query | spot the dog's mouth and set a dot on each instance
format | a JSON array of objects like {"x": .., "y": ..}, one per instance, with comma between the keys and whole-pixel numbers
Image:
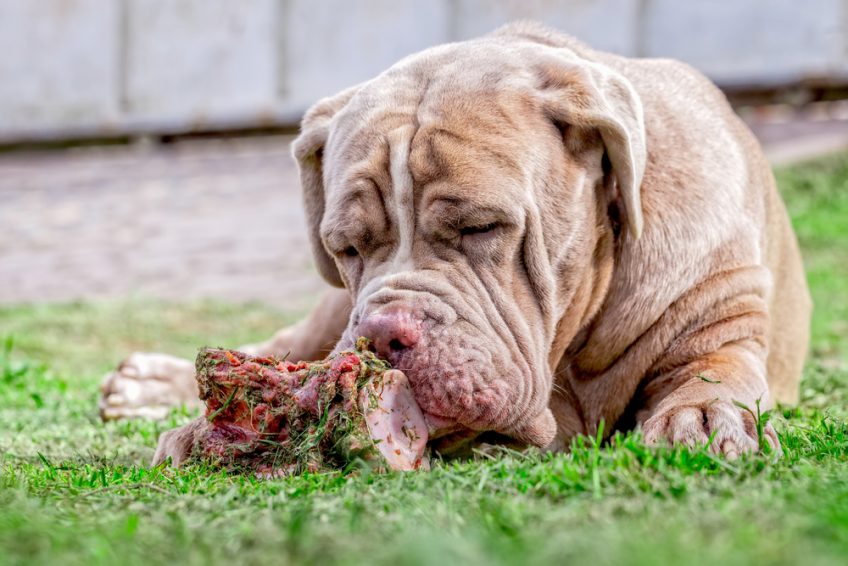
[
  {"x": 448, "y": 437},
  {"x": 453, "y": 440},
  {"x": 439, "y": 426},
  {"x": 449, "y": 432},
  {"x": 456, "y": 379}
]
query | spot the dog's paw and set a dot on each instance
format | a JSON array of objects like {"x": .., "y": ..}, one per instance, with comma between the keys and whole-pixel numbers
[
  {"x": 148, "y": 386},
  {"x": 733, "y": 429},
  {"x": 177, "y": 444}
]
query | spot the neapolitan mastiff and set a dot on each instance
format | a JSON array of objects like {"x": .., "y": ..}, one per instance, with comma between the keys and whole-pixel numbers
[{"x": 542, "y": 237}]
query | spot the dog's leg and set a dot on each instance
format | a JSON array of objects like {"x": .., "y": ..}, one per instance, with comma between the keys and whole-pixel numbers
[
  {"x": 177, "y": 443},
  {"x": 313, "y": 337},
  {"x": 712, "y": 399},
  {"x": 149, "y": 384}
]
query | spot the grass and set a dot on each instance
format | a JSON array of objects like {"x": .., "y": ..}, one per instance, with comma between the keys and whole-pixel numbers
[{"x": 73, "y": 490}]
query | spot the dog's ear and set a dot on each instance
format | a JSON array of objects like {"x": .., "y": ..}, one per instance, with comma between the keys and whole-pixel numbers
[
  {"x": 586, "y": 94},
  {"x": 308, "y": 150}
]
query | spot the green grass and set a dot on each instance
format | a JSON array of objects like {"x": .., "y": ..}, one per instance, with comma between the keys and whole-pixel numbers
[{"x": 73, "y": 490}]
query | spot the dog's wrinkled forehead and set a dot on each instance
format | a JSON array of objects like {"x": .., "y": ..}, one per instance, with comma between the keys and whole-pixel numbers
[{"x": 457, "y": 110}]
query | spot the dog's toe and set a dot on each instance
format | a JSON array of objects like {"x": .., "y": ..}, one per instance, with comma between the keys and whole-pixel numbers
[
  {"x": 686, "y": 427},
  {"x": 726, "y": 428},
  {"x": 147, "y": 386}
]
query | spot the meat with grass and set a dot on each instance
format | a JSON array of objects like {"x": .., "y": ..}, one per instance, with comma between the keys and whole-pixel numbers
[{"x": 276, "y": 417}]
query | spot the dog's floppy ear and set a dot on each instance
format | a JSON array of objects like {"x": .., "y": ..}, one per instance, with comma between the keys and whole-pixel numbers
[
  {"x": 587, "y": 94},
  {"x": 308, "y": 150}
]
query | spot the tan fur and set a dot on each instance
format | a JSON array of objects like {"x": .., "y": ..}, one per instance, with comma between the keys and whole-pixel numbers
[
  {"x": 631, "y": 324},
  {"x": 643, "y": 270}
]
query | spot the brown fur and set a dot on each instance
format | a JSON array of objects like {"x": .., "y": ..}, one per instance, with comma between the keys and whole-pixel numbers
[{"x": 643, "y": 270}]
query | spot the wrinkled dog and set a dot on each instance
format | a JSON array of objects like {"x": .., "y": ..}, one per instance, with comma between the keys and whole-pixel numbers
[{"x": 543, "y": 237}]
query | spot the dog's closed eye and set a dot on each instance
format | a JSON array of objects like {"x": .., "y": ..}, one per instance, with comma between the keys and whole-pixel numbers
[
  {"x": 480, "y": 238},
  {"x": 481, "y": 229}
]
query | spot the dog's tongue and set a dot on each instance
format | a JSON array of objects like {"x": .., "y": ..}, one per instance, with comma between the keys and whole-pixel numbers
[{"x": 395, "y": 422}]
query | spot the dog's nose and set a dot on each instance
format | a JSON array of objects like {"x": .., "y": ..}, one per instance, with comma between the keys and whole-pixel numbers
[{"x": 391, "y": 331}]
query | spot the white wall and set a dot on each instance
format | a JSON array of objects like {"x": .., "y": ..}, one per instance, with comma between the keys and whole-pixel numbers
[{"x": 99, "y": 67}]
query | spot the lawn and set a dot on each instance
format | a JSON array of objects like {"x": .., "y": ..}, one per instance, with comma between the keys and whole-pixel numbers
[{"x": 75, "y": 491}]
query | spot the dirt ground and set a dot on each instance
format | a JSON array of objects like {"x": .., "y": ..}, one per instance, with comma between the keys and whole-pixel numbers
[{"x": 196, "y": 219}]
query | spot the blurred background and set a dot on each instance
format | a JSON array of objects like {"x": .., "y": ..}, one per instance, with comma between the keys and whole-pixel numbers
[{"x": 144, "y": 143}]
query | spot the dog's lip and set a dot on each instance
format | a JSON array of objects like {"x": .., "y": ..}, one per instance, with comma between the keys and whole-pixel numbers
[{"x": 438, "y": 426}]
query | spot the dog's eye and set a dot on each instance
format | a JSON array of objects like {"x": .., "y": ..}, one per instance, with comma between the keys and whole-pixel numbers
[
  {"x": 350, "y": 251},
  {"x": 482, "y": 229}
]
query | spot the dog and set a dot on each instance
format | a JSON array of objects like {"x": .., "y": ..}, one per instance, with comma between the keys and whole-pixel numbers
[{"x": 547, "y": 240}]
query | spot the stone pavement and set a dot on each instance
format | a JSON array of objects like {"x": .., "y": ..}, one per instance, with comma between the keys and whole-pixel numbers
[
  {"x": 218, "y": 218},
  {"x": 213, "y": 218}
]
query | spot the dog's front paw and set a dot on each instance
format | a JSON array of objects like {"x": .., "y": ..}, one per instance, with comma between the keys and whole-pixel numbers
[
  {"x": 178, "y": 444},
  {"x": 733, "y": 429},
  {"x": 149, "y": 386}
]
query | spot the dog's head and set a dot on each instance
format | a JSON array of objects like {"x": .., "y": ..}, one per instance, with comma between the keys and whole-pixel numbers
[{"x": 462, "y": 198}]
